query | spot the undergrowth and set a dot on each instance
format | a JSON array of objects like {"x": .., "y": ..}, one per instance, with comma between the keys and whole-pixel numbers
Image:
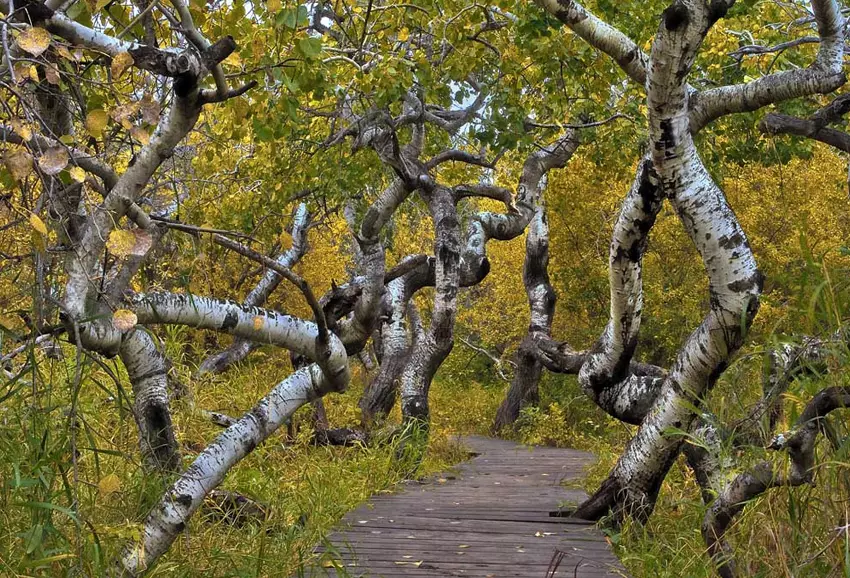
[{"x": 73, "y": 491}]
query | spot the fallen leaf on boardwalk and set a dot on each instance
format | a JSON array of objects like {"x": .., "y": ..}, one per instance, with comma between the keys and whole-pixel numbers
[
  {"x": 463, "y": 546},
  {"x": 34, "y": 40},
  {"x": 124, "y": 320},
  {"x": 538, "y": 534}
]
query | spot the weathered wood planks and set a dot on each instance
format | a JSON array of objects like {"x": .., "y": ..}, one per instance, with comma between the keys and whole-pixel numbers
[{"x": 488, "y": 519}]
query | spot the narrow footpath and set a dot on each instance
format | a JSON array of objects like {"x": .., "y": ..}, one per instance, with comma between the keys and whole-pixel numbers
[{"x": 488, "y": 518}]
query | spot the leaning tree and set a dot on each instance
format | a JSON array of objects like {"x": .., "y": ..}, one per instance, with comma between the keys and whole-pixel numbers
[
  {"x": 98, "y": 124},
  {"x": 661, "y": 400}
]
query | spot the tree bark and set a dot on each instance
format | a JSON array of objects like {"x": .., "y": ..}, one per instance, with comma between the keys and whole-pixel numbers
[
  {"x": 523, "y": 390},
  {"x": 258, "y": 296},
  {"x": 147, "y": 369},
  {"x": 428, "y": 353}
]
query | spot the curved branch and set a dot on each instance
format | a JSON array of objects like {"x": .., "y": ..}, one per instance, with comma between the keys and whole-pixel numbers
[
  {"x": 601, "y": 36},
  {"x": 254, "y": 323},
  {"x": 824, "y": 75},
  {"x": 261, "y": 292},
  {"x": 800, "y": 443}
]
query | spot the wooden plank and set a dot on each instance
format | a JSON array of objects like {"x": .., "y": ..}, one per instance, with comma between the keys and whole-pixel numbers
[
  {"x": 399, "y": 536},
  {"x": 489, "y": 517}
]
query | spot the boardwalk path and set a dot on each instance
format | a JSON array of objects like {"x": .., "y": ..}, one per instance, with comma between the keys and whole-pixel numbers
[{"x": 488, "y": 519}]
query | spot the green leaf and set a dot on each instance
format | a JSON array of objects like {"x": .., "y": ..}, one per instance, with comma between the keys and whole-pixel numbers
[
  {"x": 310, "y": 47},
  {"x": 263, "y": 131},
  {"x": 33, "y": 537},
  {"x": 287, "y": 18}
]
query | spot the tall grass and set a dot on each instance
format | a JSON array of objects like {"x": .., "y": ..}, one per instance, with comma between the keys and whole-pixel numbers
[{"x": 72, "y": 490}]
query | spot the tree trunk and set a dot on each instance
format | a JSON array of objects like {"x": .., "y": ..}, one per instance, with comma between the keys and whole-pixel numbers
[
  {"x": 147, "y": 369},
  {"x": 523, "y": 390},
  {"x": 428, "y": 353}
]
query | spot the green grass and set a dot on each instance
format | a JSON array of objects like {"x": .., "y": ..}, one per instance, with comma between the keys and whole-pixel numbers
[{"x": 72, "y": 491}]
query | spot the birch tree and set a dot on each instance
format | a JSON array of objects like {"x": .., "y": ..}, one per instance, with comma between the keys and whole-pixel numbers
[{"x": 660, "y": 400}]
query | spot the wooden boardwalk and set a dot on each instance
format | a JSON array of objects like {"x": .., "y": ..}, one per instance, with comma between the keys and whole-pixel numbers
[{"x": 490, "y": 518}]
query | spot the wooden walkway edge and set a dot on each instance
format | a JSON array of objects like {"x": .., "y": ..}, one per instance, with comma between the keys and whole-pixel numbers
[{"x": 489, "y": 518}]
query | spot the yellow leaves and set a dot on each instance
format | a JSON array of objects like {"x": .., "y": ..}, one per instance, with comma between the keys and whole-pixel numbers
[
  {"x": 123, "y": 113},
  {"x": 64, "y": 52},
  {"x": 38, "y": 225},
  {"x": 273, "y": 5},
  {"x": 54, "y": 160},
  {"x": 19, "y": 164},
  {"x": 258, "y": 322},
  {"x": 108, "y": 485},
  {"x": 120, "y": 62},
  {"x": 34, "y": 40},
  {"x": 124, "y": 243},
  {"x": 21, "y": 128},
  {"x": 140, "y": 135},
  {"x": 78, "y": 174},
  {"x": 285, "y": 240},
  {"x": 96, "y": 121},
  {"x": 124, "y": 320},
  {"x": 233, "y": 60},
  {"x": 403, "y": 35},
  {"x": 96, "y": 5}
]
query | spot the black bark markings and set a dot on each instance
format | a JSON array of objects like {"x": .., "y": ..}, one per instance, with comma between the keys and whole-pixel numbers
[
  {"x": 230, "y": 321},
  {"x": 675, "y": 16}
]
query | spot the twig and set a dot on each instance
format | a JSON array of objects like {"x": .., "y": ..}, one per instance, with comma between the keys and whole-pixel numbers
[
  {"x": 172, "y": 224},
  {"x": 318, "y": 313}
]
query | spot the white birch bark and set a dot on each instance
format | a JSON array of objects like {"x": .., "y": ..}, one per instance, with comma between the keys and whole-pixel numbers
[
  {"x": 185, "y": 496},
  {"x": 431, "y": 350},
  {"x": 147, "y": 370},
  {"x": 523, "y": 390},
  {"x": 735, "y": 282},
  {"x": 240, "y": 348}
]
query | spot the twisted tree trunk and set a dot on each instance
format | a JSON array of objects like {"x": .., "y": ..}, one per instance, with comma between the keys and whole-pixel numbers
[{"x": 541, "y": 300}]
